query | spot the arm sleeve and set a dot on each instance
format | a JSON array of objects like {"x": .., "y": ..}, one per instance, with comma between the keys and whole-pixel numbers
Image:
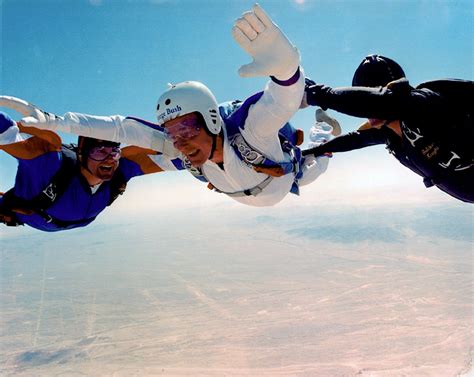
[
  {"x": 24, "y": 147},
  {"x": 9, "y": 131},
  {"x": 270, "y": 113},
  {"x": 350, "y": 141},
  {"x": 399, "y": 102},
  {"x": 313, "y": 167},
  {"x": 116, "y": 128}
]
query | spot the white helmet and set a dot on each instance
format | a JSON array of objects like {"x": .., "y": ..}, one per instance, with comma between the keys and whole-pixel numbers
[{"x": 188, "y": 97}]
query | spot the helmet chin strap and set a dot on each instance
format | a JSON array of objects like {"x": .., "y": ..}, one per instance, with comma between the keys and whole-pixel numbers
[{"x": 214, "y": 144}]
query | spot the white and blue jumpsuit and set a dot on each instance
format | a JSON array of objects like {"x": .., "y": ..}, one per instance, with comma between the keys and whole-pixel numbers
[{"x": 259, "y": 127}]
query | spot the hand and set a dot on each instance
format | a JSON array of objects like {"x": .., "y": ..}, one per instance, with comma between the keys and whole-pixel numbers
[
  {"x": 323, "y": 117},
  {"x": 308, "y": 93},
  {"x": 272, "y": 52},
  {"x": 163, "y": 144},
  {"x": 25, "y": 108}
]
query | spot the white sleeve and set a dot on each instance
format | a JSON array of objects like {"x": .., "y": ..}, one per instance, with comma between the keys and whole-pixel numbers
[
  {"x": 114, "y": 128},
  {"x": 11, "y": 135},
  {"x": 164, "y": 162},
  {"x": 313, "y": 167},
  {"x": 270, "y": 113}
]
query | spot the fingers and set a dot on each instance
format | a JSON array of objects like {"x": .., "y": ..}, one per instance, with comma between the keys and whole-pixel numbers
[
  {"x": 241, "y": 38},
  {"x": 245, "y": 27},
  {"x": 248, "y": 70},
  {"x": 253, "y": 22},
  {"x": 260, "y": 13},
  {"x": 17, "y": 104}
]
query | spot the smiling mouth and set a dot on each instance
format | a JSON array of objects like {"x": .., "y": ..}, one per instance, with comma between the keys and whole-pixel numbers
[{"x": 106, "y": 168}]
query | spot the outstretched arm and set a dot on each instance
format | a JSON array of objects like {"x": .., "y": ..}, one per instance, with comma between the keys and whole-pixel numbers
[
  {"x": 272, "y": 52},
  {"x": 15, "y": 144},
  {"x": 397, "y": 101},
  {"x": 114, "y": 128},
  {"x": 349, "y": 142},
  {"x": 273, "y": 55},
  {"x": 117, "y": 128}
]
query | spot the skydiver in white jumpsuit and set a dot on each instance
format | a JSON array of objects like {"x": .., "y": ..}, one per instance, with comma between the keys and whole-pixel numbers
[{"x": 236, "y": 146}]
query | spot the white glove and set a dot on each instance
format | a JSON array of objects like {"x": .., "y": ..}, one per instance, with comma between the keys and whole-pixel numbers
[
  {"x": 319, "y": 134},
  {"x": 272, "y": 52},
  {"x": 32, "y": 113},
  {"x": 322, "y": 116},
  {"x": 105, "y": 128},
  {"x": 162, "y": 143}
]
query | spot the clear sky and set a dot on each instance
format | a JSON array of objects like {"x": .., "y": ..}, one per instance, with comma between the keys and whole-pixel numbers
[{"x": 115, "y": 57}]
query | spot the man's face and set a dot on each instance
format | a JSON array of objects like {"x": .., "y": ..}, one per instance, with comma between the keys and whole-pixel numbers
[
  {"x": 376, "y": 123},
  {"x": 189, "y": 136},
  {"x": 103, "y": 161}
]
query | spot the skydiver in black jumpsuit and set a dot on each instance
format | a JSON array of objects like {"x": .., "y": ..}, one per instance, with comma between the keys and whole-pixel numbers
[{"x": 429, "y": 129}]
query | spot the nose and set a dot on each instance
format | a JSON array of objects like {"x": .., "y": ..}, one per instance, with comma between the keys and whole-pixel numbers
[
  {"x": 179, "y": 142},
  {"x": 110, "y": 158}
]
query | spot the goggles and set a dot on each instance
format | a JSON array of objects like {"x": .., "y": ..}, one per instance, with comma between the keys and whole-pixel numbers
[
  {"x": 183, "y": 129},
  {"x": 102, "y": 153}
]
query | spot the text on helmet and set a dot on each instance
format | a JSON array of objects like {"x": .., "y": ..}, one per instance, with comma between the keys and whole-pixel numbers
[{"x": 169, "y": 111}]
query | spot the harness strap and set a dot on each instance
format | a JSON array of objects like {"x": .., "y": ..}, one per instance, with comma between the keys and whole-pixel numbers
[
  {"x": 199, "y": 174},
  {"x": 248, "y": 192},
  {"x": 234, "y": 113},
  {"x": 254, "y": 158},
  {"x": 62, "y": 223},
  {"x": 7, "y": 216},
  {"x": 118, "y": 185}
]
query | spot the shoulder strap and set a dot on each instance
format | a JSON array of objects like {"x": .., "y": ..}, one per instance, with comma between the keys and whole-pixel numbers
[
  {"x": 56, "y": 187},
  {"x": 46, "y": 198},
  {"x": 118, "y": 185},
  {"x": 234, "y": 115},
  {"x": 60, "y": 181}
]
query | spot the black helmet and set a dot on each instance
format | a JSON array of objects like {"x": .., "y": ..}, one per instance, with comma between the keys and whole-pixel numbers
[
  {"x": 85, "y": 144},
  {"x": 377, "y": 70}
]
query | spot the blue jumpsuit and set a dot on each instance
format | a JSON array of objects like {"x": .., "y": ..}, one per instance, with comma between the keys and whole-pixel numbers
[{"x": 39, "y": 159}]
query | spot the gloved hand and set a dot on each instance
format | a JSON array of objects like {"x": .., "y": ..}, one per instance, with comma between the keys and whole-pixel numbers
[
  {"x": 32, "y": 113},
  {"x": 162, "y": 143},
  {"x": 323, "y": 117},
  {"x": 272, "y": 52},
  {"x": 306, "y": 100},
  {"x": 319, "y": 134},
  {"x": 324, "y": 129}
]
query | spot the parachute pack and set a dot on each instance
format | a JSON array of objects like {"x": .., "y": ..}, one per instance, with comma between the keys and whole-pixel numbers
[{"x": 458, "y": 92}]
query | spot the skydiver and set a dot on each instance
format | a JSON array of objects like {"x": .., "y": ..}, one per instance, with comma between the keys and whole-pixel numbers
[
  {"x": 236, "y": 147},
  {"x": 428, "y": 128},
  {"x": 59, "y": 188}
]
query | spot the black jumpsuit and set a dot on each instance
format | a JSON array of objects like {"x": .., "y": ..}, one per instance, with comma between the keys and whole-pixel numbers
[{"x": 437, "y": 132}]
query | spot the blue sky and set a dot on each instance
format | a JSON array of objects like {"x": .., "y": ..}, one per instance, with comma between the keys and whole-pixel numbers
[{"x": 115, "y": 57}]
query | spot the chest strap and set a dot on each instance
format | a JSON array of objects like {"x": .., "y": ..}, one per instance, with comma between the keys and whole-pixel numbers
[{"x": 254, "y": 191}]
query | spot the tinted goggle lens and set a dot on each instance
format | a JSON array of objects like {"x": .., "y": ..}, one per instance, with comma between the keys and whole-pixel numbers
[
  {"x": 102, "y": 153},
  {"x": 185, "y": 129}
]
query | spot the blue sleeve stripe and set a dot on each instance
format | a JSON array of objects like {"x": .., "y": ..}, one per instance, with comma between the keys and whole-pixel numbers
[
  {"x": 148, "y": 124},
  {"x": 178, "y": 163},
  {"x": 5, "y": 122}
]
